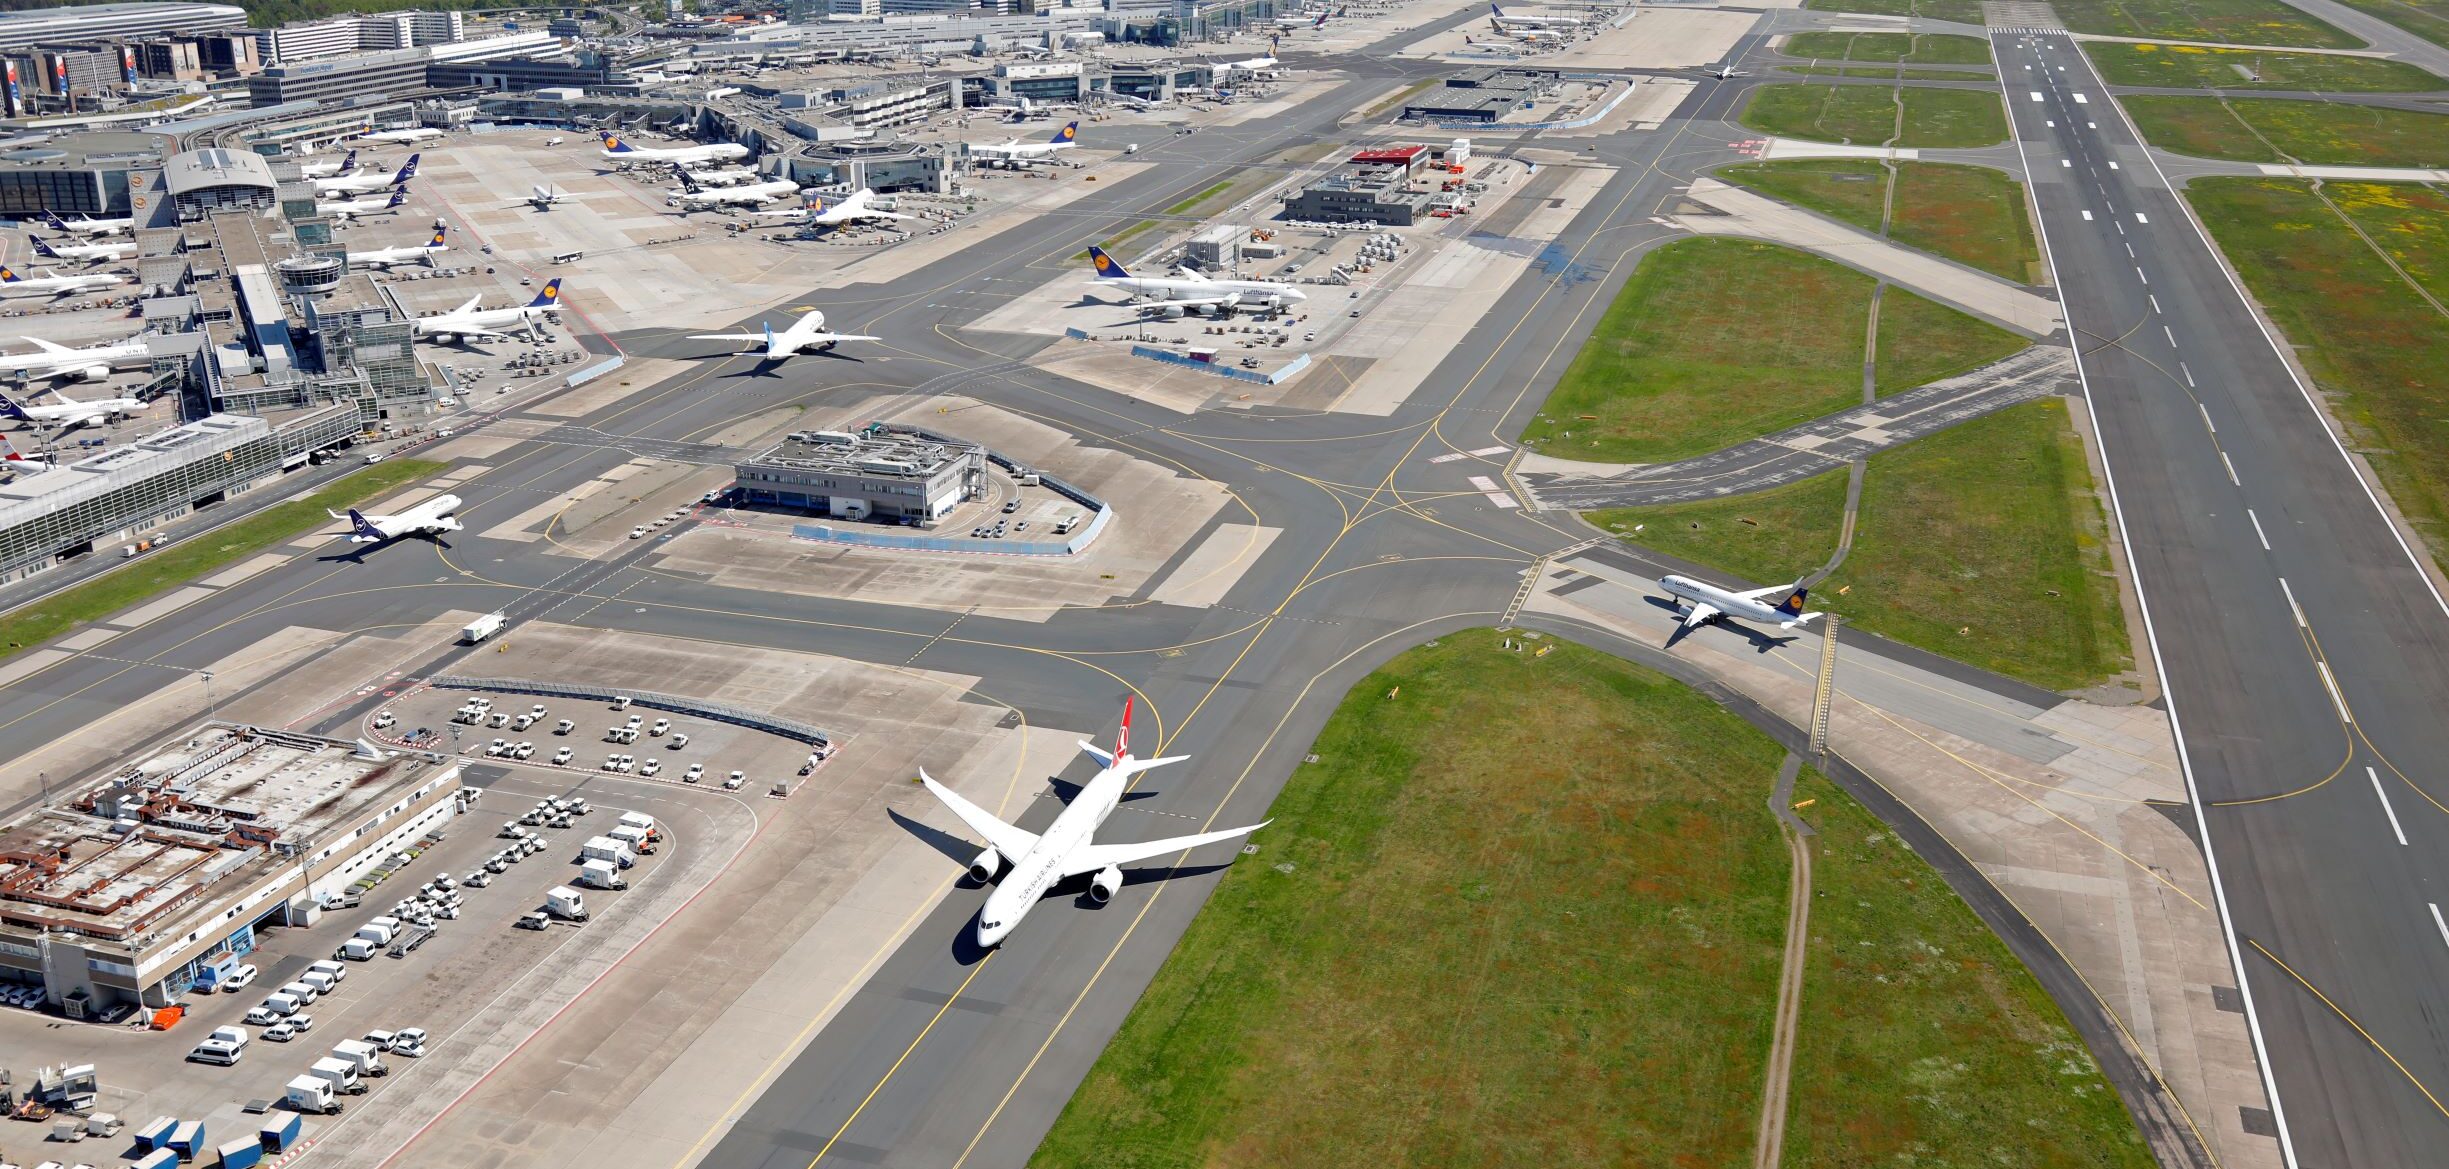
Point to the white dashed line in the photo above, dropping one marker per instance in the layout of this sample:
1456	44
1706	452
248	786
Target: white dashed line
2292	606
2436	920
2189	384
2335	696
2394	829
2140	276
2224	461
2087	217
2165	331
2209	425
2155	303
2258	533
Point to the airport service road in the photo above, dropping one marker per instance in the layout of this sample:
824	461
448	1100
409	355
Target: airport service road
2307	658
949	1057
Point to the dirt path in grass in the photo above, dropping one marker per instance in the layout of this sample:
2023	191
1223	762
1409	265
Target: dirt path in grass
1769	1148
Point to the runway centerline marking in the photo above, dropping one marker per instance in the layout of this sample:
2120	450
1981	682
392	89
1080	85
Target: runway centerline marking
2394	829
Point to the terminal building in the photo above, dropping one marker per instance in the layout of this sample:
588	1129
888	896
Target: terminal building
92	174
53	26
154	871
878	474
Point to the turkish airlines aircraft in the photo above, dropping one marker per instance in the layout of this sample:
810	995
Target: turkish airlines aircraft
430	518
1037	862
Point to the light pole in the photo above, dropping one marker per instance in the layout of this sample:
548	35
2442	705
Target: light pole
211	706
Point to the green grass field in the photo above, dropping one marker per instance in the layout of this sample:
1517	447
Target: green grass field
1970	214
1202	197
2236	22
1920	1032
1885	72
2373	345
154	573
2311	132
2190	65
1579	958
1984	543
1960	11
1904	48
2428	19
1868	115
1526	910
1933	341
1715	341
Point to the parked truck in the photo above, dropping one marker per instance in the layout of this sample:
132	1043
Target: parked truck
605	848
311	1094
565	903
483	627
643	821
365	1055
633	836
381	930
341	1073
601	875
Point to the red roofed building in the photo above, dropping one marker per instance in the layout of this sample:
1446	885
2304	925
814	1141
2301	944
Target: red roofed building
1406	157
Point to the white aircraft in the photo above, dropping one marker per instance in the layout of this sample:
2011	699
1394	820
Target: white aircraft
12	284
90	364
423	253
1528	36
468	322
323	170
84	226
1702	603
71	413
430	518
350	209
858	206
543	197
1296	23
1015	149
805	335
1036	862
689	198
408	137
616	150
368	182
1191	292
88	253
1498	14
1723	72
725	176
1254	67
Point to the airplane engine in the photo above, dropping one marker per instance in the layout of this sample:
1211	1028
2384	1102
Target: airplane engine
1102	886
88	373
988	865
1171	312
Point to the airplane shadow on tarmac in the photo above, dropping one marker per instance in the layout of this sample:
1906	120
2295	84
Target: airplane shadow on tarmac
357	553
965	948
1761	642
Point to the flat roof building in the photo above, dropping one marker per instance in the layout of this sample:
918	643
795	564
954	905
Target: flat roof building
160	866
79	174
1384	198
395	74
879	473
51	26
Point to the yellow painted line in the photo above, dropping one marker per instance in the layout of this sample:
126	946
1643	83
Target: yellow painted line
921	1037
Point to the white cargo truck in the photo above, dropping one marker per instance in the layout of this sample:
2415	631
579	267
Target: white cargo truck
483	627
601	875
311	1094
341	1073
643	821
633	836
565	903
365	1055
605	848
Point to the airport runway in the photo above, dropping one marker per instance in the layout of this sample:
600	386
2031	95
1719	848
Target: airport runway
2306	656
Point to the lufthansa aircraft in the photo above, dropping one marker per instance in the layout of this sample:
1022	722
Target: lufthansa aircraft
1701	603
1037	862
1191	292
430	518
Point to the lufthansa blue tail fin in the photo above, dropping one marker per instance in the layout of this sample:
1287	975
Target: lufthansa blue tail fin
551	294
42	247
10	408
359	526
1069	133
1107	267
1792	606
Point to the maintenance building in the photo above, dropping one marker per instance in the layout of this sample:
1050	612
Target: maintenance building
1383	198
879	474
155	870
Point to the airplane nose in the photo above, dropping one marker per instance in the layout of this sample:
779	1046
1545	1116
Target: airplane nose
990	937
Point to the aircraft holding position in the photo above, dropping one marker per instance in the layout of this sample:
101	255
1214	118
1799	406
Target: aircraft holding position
805	335
468	322
1035	863
407	137
1016	150
423	253
324	170
542	198
430	518
88	253
1191	292
616	150
70	413
12	284
90	364
84	226
368	182
1701	603
350	209
1724	71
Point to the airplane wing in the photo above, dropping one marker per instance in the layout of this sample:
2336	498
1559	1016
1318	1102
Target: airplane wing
1195	302
741	337
829	338
1090	858
465	332
467	308
1778	591
1700	614
46	346
1012	842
